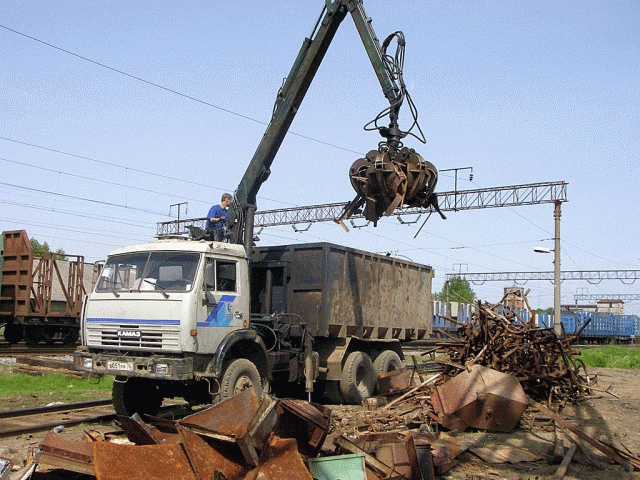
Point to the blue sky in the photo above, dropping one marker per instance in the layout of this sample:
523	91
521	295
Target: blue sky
524	92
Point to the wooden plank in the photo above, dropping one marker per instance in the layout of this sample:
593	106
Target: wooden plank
562	469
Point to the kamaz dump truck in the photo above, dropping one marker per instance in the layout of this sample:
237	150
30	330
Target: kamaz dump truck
195	319
205	320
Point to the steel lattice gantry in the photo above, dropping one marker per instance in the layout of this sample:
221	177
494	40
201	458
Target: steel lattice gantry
594	297
506	196
592	276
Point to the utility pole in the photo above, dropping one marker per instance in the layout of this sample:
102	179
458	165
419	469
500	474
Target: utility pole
557	313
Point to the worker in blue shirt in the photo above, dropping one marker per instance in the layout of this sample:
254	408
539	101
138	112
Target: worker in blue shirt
218	218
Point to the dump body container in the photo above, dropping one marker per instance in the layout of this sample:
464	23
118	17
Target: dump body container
340	291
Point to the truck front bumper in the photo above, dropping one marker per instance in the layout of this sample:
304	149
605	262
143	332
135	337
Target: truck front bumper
157	367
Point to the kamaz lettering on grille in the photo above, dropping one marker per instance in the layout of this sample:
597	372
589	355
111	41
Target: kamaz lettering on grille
129	333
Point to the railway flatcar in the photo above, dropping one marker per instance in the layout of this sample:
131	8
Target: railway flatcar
40	297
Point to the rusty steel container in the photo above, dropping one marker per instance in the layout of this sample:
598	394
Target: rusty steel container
341	292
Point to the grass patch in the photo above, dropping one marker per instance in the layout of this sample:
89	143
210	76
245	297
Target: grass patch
611	356
58	387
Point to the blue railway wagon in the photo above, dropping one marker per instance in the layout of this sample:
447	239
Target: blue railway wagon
524	314
608	326
460	311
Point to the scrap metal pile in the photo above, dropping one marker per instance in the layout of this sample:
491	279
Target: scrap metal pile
395	436
543	362
242	438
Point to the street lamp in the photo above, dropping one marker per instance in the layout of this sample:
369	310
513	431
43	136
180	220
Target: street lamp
557	313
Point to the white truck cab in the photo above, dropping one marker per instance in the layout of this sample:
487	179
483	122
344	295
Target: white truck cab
173	309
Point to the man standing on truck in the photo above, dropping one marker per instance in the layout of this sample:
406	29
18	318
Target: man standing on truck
218	218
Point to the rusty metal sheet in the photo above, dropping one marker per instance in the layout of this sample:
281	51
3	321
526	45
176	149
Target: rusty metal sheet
207	460
307	422
142	433
395	455
258	430
280	460
57	451
370	441
395	381
228	420
421	460
141	462
480	398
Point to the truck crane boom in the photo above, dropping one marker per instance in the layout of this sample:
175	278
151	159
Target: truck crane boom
387	177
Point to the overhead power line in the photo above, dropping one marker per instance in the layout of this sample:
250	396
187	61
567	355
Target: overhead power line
99	180
103	218
111	164
170	90
110	204
93	233
126	167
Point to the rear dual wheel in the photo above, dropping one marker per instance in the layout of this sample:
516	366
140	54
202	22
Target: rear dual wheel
358	378
387	361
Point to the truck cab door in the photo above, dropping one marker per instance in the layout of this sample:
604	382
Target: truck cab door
222	308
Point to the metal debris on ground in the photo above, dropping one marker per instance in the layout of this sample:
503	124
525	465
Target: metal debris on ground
542	361
480	398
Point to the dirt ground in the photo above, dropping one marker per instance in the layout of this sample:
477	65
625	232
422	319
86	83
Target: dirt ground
603	414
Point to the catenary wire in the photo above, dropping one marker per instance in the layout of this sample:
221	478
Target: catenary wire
110	204
170	90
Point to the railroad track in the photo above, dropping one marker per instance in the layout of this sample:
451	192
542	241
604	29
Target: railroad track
37	419
7	350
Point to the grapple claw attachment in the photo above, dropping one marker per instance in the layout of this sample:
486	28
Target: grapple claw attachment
389	179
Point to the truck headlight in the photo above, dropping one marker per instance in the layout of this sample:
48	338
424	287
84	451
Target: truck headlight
162	369
87	362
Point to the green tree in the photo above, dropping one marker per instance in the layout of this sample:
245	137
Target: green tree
545	310
459	291
41	248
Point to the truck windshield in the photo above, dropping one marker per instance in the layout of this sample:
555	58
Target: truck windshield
139	272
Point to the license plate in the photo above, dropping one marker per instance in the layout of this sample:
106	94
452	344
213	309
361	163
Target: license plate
122	366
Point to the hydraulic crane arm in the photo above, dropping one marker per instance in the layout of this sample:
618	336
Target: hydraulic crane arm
290	97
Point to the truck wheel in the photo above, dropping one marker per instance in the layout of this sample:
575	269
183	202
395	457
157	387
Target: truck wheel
358	379
387	361
240	375
135	395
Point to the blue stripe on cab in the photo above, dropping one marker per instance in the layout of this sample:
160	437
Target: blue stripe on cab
132	320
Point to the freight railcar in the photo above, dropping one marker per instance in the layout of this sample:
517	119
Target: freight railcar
40	297
596	327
